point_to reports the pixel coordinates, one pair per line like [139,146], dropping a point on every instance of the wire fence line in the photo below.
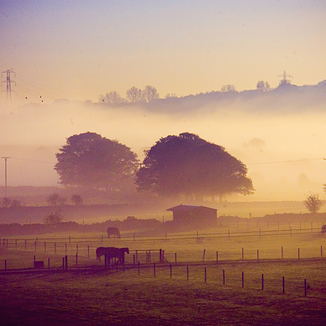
[170,236]
[174,248]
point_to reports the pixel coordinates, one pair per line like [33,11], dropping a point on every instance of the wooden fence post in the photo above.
[242,279]
[298,253]
[66,260]
[283,285]
[262,281]
[305,287]
[204,255]
[223,277]
[205,275]
[187,273]
[138,268]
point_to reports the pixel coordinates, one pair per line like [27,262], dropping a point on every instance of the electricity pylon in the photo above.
[285,80]
[8,82]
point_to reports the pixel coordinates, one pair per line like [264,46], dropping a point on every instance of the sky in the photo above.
[78,50]
[81,49]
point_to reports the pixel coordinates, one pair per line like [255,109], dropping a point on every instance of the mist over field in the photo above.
[279,135]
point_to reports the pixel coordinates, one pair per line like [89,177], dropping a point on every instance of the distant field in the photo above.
[95,296]
[99,213]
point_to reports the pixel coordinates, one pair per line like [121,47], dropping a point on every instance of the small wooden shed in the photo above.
[194,215]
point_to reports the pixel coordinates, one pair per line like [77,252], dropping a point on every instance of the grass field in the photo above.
[166,295]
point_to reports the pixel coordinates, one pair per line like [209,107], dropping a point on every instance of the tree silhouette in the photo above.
[55,200]
[313,203]
[91,160]
[189,166]
[53,218]
[228,88]
[135,94]
[113,98]
[150,93]
[77,200]
[263,86]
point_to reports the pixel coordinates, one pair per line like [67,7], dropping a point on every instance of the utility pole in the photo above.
[8,82]
[6,185]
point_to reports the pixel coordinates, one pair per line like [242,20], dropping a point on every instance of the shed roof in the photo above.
[187,208]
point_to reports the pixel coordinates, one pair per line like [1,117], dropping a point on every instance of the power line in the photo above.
[33,85]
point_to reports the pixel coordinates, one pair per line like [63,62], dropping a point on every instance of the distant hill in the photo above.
[285,96]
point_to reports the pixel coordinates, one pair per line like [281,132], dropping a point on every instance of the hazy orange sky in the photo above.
[78,50]
[81,49]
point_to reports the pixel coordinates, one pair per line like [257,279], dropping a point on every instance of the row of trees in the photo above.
[176,166]
[149,93]
[134,94]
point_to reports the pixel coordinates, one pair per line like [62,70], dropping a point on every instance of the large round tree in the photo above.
[187,165]
[91,160]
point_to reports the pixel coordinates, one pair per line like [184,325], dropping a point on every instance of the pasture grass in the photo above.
[102,297]
[95,296]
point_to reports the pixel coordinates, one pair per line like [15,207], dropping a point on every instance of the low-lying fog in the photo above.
[282,143]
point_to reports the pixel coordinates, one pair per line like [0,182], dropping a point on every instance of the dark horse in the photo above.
[112,252]
[113,231]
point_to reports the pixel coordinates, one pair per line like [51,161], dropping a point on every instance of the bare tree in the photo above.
[135,94]
[55,200]
[150,93]
[228,88]
[263,86]
[53,218]
[113,98]
[313,203]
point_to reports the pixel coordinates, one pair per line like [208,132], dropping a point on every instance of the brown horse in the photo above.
[114,232]
[112,252]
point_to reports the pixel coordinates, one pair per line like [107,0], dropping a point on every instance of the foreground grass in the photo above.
[100,297]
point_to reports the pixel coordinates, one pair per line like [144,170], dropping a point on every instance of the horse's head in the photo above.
[125,250]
